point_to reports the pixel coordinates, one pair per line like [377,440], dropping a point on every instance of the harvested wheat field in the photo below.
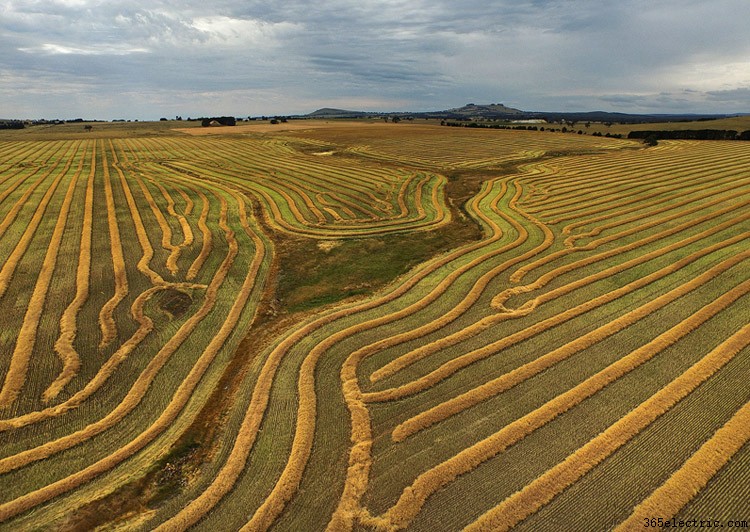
[368,326]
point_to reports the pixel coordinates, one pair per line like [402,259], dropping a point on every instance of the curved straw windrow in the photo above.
[645,203]
[414,496]
[106,319]
[68,325]
[462,361]
[11,262]
[503,383]
[26,340]
[234,464]
[140,387]
[696,472]
[545,488]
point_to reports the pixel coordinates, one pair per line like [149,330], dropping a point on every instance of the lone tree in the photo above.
[651,140]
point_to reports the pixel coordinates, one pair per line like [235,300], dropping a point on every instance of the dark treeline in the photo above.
[550,129]
[11,124]
[691,134]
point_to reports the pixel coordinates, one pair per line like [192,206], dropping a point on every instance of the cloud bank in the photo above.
[146,59]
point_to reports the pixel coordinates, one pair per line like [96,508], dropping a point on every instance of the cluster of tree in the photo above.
[488,126]
[11,124]
[223,120]
[692,134]
[563,129]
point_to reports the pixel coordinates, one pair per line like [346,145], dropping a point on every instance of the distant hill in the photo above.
[498,111]
[328,112]
[486,111]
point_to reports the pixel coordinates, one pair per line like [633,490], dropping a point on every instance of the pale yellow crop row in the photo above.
[693,476]
[496,386]
[138,390]
[414,496]
[542,490]
[106,321]
[26,340]
[68,325]
[287,485]
[454,365]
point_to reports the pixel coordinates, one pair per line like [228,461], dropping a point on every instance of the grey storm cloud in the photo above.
[145,59]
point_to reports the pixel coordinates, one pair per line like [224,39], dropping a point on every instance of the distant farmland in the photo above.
[371,327]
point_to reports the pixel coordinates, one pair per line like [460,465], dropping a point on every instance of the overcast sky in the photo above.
[145,59]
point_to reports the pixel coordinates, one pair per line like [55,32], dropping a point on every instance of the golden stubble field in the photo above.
[369,326]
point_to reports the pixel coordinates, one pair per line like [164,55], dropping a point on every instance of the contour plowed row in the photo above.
[451,398]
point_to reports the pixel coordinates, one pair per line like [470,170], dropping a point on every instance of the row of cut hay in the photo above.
[562,194]
[9,266]
[467,148]
[669,179]
[359,458]
[593,203]
[291,477]
[297,169]
[68,321]
[314,176]
[207,240]
[189,203]
[166,230]
[414,496]
[360,198]
[145,325]
[279,196]
[520,273]
[309,203]
[271,173]
[462,335]
[26,339]
[26,163]
[144,264]
[595,185]
[160,173]
[228,475]
[476,291]
[349,507]
[660,193]
[329,201]
[731,191]
[449,368]
[187,232]
[239,455]
[8,190]
[445,283]
[333,176]
[542,490]
[106,314]
[332,173]
[282,222]
[139,389]
[274,187]
[697,471]
[16,153]
[636,170]
[503,383]
[691,190]
[647,171]
[543,280]
[357,477]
